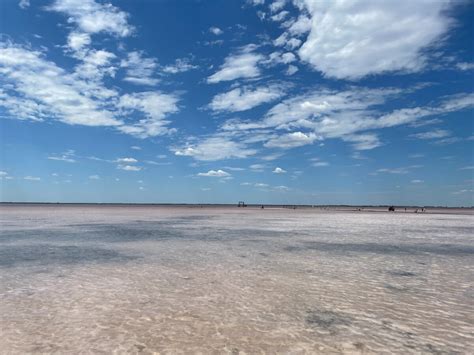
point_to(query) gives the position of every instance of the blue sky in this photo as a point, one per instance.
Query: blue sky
(297, 101)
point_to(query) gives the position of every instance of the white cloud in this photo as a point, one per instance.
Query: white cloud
(257, 167)
(261, 184)
(216, 31)
(279, 170)
(285, 41)
(393, 171)
(135, 147)
(94, 177)
(155, 106)
(152, 162)
(463, 191)
(292, 69)
(386, 36)
(281, 40)
(37, 89)
(24, 4)
(279, 57)
(127, 160)
(95, 65)
(301, 26)
(244, 98)
(139, 69)
(67, 156)
(437, 133)
(4, 176)
(92, 17)
(216, 42)
(129, 167)
(215, 173)
(416, 156)
(243, 64)
(400, 170)
(471, 167)
(180, 65)
(465, 66)
(255, 2)
(319, 164)
(272, 156)
(277, 5)
(351, 115)
(280, 16)
(215, 148)
(48, 91)
(365, 141)
(416, 181)
(335, 110)
(77, 41)
(32, 178)
(291, 140)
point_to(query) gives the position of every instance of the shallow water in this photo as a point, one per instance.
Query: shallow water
(233, 280)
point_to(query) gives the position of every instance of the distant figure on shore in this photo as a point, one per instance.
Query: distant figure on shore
(262, 207)
(391, 209)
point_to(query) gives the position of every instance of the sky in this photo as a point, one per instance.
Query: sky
(220, 101)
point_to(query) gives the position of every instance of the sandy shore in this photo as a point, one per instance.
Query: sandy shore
(235, 280)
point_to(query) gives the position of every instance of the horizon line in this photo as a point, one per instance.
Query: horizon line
(228, 204)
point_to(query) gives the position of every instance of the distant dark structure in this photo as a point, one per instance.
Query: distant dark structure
(391, 209)
(241, 204)
(262, 207)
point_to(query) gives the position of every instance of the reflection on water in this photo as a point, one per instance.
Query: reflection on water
(168, 280)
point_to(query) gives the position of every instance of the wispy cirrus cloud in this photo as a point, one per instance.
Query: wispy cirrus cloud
(291, 140)
(68, 156)
(48, 90)
(140, 70)
(399, 170)
(93, 17)
(245, 98)
(242, 64)
(154, 106)
(353, 115)
(436, 133)
(38, 90)
(180, 65)
(214, 148)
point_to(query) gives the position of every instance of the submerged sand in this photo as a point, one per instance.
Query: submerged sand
(135, 279)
